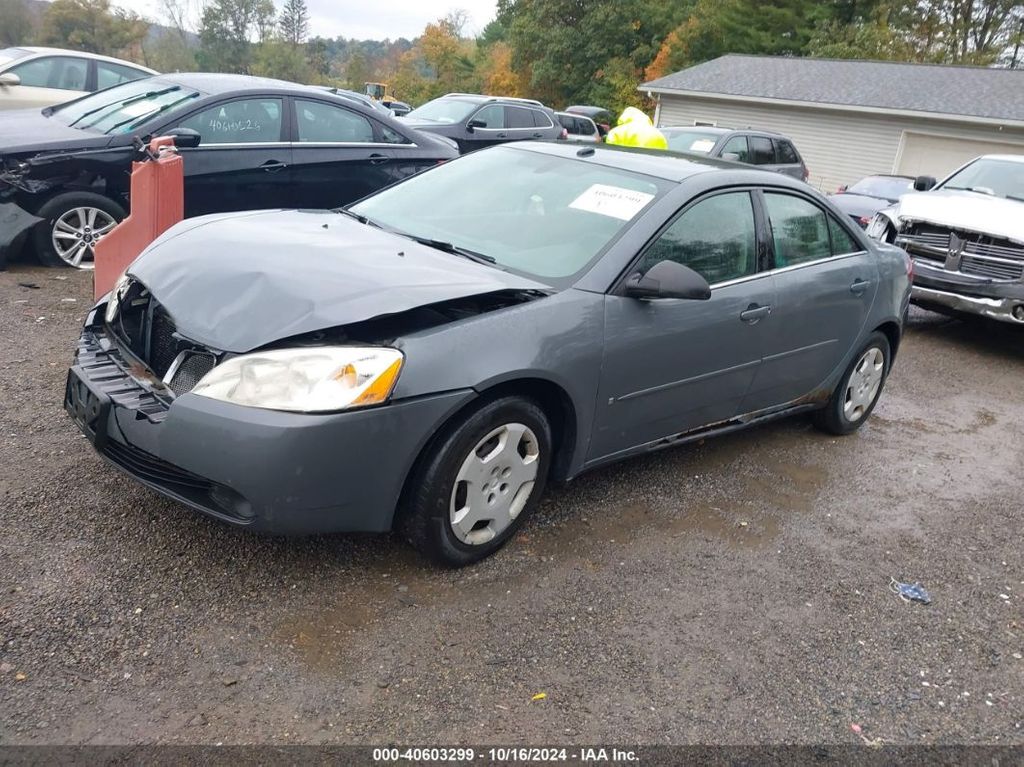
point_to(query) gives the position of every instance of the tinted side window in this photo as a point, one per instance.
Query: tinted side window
(715, 238)
(108, 74)
(492, 115)
(518, 117)
(247, 121)
(61, 72)
(786, 153)
(541, 120)
(799, 230)
(392, 136)
(842, 242)
(761, 151)
(738, 146)
(320, 122)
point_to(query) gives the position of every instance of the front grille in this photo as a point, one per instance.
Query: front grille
(146, 329)
(982, 256)
(190, 371)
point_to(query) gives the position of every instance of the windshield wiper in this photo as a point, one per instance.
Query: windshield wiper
(123, 104)
(448, 247)
(1017, 197)
(132, 121)
(977, 189)
(358, 217)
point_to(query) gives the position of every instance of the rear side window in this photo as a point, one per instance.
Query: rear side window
(786, 153)
(737, 145)
(320, 122)
(800, 230)
(761, 151)
(517, 117)
(716, 238)
(541, 120)
(109, 74)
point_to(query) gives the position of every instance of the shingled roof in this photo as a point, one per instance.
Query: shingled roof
(976, 92)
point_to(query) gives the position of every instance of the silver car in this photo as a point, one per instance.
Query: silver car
(769, 151)
(430, 358)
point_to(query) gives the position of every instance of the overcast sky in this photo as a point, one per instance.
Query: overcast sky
(367, 19)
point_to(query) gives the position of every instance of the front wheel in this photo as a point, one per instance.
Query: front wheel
(479, 483)
(859, 389)
(72, 224)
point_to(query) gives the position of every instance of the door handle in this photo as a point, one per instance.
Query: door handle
(859, 286)
(273, 166)
(755, 312)
(538, 135)
(377, 159)
(502, 135)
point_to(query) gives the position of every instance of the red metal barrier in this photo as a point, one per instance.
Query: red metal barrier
(157, 203)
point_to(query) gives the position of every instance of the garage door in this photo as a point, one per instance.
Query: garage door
(926, 155)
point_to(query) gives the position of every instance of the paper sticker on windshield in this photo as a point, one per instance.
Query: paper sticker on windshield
(702, 145)
(612, 201)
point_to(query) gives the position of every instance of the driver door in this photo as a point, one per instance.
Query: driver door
(673, 365)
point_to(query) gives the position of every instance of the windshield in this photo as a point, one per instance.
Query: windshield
(999, 178)
(124, 107)
(691, 140)
(7, 55)
(543, 216)
(883, 187)
(442, 110)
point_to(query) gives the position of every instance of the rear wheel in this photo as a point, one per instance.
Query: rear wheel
(479, 482)
(859, 389)
(72, 225)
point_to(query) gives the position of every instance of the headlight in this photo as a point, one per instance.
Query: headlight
(114, 302)
(876, 228)
(314, 380)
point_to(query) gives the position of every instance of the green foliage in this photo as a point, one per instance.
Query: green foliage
(281, 59)
(170, 52)
(294, 21)
(16, 24)
(227, 30)
(93, 26)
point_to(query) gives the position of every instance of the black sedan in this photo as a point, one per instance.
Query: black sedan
(64, 171)
(869, 195)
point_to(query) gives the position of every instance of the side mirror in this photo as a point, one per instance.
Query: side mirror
(472, 124)
(184, 138)
(9, 78)
(924, 183)
(668, 279)
(731, 156)
(843, 188)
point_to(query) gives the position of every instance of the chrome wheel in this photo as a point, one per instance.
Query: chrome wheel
(864, 384)
(76, 233)
(494, 483)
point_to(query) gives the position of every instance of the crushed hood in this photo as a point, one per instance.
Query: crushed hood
(996, 216)
(27, 130)
(239, 281)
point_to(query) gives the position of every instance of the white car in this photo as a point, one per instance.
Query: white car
(41, 77)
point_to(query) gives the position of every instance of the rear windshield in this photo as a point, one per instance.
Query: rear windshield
(691, 140)
(442, 110)
(124, 107)
(532, 213)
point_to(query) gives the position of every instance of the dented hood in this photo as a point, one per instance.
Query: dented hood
(28, 130)
(239, 281)
(996, 216)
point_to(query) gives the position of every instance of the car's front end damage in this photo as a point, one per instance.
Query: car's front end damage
(967, 248)
(198, 387)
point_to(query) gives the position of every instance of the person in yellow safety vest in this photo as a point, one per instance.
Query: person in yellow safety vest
(634, 128)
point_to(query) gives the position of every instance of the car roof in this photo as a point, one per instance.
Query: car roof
(669, 166)
(575, 115)
(214, 84)
(1007, 157)
(42, 49)
(697, 129)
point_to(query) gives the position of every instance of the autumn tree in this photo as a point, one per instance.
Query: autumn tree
(93, 26)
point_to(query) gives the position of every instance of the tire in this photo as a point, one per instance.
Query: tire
(66, 213)
(454, 489)
(859, 389)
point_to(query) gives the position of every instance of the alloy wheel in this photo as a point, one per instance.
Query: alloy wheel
(76, 233)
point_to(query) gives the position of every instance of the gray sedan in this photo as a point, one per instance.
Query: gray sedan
(429, 359)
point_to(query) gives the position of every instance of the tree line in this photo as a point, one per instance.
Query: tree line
(560, 51)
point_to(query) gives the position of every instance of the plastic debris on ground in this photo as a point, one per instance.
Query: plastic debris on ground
(909, 592)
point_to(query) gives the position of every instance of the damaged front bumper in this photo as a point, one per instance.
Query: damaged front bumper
(15, 224)
(938, 288)
(273, 471)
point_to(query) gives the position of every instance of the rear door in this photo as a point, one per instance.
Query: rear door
(826, 286)
(242, 162)
(787, 160)
(520, 124)
(671, 366)
(338, 155)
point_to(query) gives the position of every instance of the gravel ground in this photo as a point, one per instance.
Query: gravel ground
(732, 592)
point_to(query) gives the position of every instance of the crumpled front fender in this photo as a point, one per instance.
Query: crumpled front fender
(15, 223)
